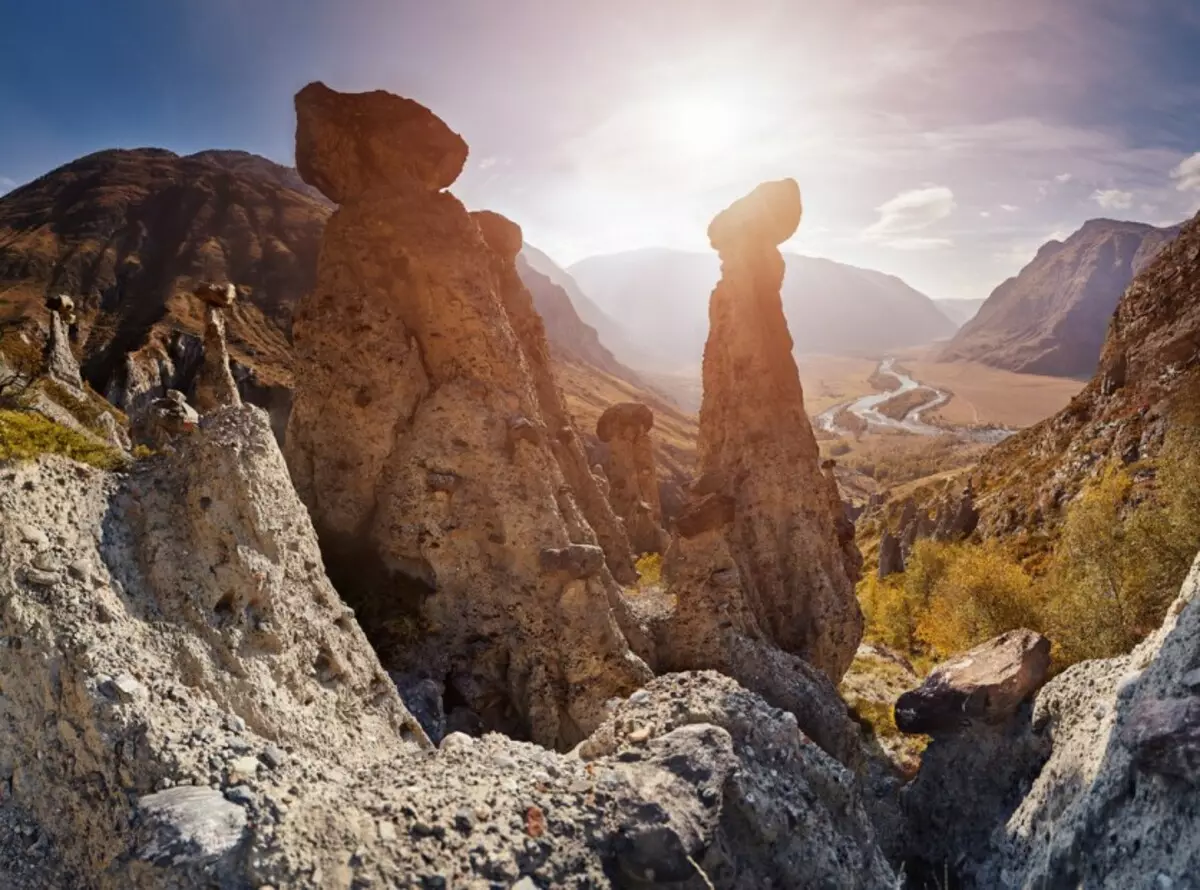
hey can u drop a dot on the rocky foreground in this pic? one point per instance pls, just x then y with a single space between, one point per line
403 657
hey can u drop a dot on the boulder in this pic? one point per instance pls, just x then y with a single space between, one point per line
633 478
351 145
220 296
795 566
985 684
165 421
418 357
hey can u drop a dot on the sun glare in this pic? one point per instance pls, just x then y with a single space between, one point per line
698 125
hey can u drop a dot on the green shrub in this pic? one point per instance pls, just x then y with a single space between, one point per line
25 435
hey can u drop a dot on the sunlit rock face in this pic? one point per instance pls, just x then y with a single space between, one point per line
757 449
419 443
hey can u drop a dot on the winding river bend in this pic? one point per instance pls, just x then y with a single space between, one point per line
867 409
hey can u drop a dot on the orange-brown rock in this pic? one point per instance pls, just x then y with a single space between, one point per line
796 568
633 479
418 442
350 144
505 239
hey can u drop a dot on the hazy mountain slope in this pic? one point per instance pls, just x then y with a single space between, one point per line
661 297
1148 379
1051 318
959 311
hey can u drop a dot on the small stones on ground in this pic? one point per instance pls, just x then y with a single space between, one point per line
464 821
234 723
78 570
41 578
273 756
640 735
525 883
31 534
243 768
637 698
387 831
239 794
46 561
125 688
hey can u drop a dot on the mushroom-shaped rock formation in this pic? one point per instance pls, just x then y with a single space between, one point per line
632 478
349 145
505 239
60 362
419 440
215 386
796 568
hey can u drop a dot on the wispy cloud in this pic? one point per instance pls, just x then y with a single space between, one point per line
1009 208
1187 174
1063 177
909 212
1113 199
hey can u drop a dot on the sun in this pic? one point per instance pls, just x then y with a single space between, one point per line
698 125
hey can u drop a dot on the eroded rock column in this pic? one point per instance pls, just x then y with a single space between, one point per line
505 239
757 453
419 443
215 386
61 364
633 481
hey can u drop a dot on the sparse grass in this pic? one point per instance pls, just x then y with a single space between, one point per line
649 566
829 380
983 395
897 458
27 435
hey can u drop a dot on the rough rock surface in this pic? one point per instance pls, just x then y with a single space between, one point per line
794 571
985 684
631 473
1107 810
215 387
506 240
191 704
418 444
891 555
61 364
165 421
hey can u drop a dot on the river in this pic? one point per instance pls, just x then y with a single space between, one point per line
867 409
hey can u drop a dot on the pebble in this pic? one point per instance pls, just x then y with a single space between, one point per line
639 735
1192 679
41 578
239 794
273 756
46 561
387 831
637 698
525 884
234 723
78 570
127 688
244 766
31 534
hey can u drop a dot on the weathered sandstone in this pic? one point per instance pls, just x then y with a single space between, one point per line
215 387
60 362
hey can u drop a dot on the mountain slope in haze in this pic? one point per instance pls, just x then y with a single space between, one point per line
1052 317
1147 382
661 299
959 311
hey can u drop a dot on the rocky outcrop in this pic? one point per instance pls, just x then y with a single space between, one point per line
165 420
631 474
418 442
191 704
215 387
504 238
60 362
985 684
780 549
891 556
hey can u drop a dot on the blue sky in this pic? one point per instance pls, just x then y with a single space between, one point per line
941 141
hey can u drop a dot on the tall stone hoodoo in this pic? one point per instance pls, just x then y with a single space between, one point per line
633 481
61 364
757 452
419 442
215 387
505 239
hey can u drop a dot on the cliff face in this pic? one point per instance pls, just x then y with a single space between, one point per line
1052 317
1149 372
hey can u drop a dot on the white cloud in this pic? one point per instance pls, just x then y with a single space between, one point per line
909 212
1011 208
985 213
487 163
1063 177
1188 174
1113 199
